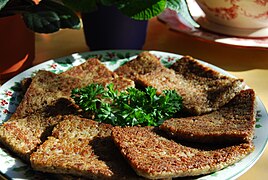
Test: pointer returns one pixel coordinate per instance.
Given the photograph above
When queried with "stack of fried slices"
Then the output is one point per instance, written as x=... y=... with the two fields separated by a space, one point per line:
x=214 y=130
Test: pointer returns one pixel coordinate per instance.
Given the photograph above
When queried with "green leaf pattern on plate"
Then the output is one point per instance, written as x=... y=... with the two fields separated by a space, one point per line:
x=258 y=118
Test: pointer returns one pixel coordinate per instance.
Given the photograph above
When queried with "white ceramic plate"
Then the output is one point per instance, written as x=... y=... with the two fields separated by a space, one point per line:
x=10 y=96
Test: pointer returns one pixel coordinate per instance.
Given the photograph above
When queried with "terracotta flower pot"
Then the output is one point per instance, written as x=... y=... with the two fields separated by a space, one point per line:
x=17 y=46
x=107 y=28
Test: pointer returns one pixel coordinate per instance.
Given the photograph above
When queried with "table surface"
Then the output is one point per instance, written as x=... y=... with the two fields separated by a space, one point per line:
x=251 y=64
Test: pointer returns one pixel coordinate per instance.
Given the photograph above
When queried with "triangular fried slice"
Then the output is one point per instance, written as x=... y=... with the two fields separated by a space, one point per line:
x=81 y=147
x=49 y=95
x=202 y=89
x=234 y=122
x=143 y=64
x=44 y=92
x=22 y=135
x=47 y=88
x=153 y=156
x=93 y=71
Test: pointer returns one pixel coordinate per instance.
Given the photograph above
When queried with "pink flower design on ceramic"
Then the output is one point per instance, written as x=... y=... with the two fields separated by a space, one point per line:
x=5 y=111
x=263 y=15
x=3 y=102
x=232 y=1
x=261 y=2
x=225 y=13
x=54 y=66
x=8 y=93
x=159 y=58
x=170 y=59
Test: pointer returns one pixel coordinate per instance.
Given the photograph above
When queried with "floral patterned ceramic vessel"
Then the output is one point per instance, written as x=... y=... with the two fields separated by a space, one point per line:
x=235 y=17
x=236 y=13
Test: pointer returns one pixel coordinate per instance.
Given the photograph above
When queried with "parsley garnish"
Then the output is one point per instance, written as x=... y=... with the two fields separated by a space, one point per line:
x=128 y=108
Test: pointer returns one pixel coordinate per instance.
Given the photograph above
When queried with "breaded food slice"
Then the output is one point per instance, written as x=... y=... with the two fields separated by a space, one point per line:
x=153 y=156
x=47 y=92
x=47 y=95
x=89 y=70
x=47 y=88
x=202 y=89
x=93 y=71
x=234 y=122
x=81 y=147
x=23 y=135
x=144 y=63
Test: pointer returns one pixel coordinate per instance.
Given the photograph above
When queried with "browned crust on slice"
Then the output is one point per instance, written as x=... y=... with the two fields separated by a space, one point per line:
x=23 y=135
x=90 y=70
x=93 y=71
x=25 y=83
x=234 y=122
x=202 y=89
x=120 y=83
x=67 y=156
x=48 y=95
x=218 y=89
x=144 y=63
x=44 y=91
x=189 y=67
x=47 y=88
x=153 y=156
x=81 y=147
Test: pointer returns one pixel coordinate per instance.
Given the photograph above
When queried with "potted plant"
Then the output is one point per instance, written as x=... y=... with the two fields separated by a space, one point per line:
x=118 y=24
x=42 y=16
x=19 y=19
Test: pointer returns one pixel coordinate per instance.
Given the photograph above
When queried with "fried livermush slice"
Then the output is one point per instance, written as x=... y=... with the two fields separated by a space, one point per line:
x=234 y=122
x=89 y=70
x=153 y=156
x=202 y=89
x=22 y=135
x=144 y=63
x=47 y=88
x=83 y=148
x=93 y=71
x=46 y=93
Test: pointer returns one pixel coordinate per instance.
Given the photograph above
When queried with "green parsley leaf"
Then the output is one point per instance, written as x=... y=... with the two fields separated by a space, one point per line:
x=128 y=108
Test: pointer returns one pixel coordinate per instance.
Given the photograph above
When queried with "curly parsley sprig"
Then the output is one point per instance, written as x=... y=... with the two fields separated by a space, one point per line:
x=128 y=108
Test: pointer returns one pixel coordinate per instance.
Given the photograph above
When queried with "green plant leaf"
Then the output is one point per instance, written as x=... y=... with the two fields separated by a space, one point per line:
x=82 y=5
x=174 y=4
x=49 y=16
x=42 y=22
x=68 y=18
x=127 y=108
x=3 y=3
x=141 y=10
